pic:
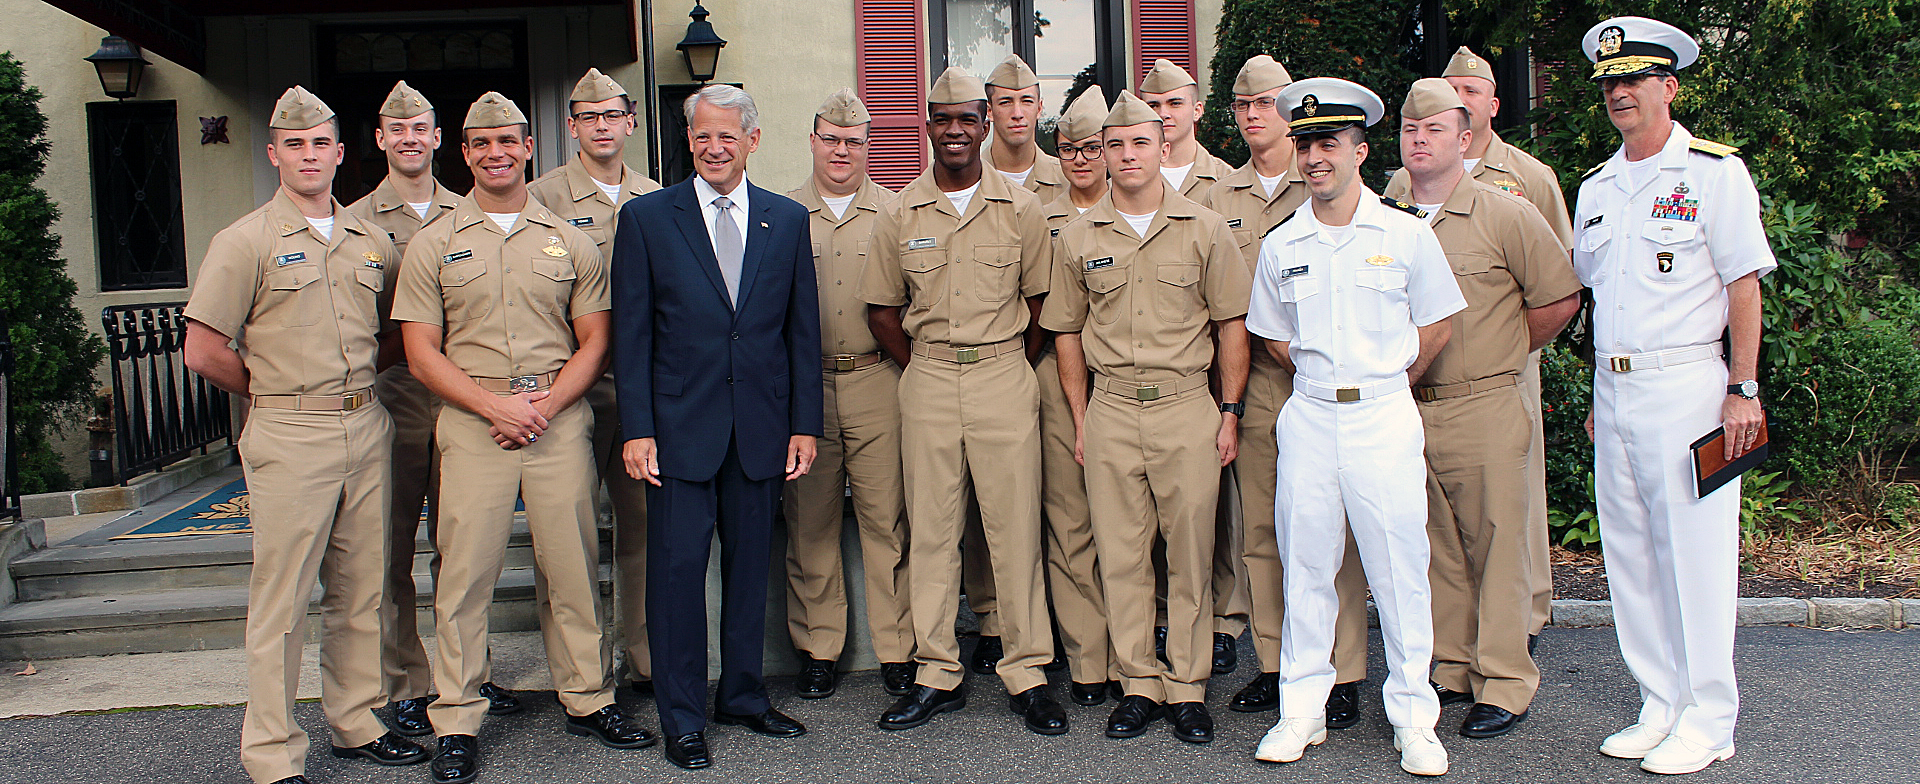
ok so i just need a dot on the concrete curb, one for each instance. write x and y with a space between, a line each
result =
1774 611
143 490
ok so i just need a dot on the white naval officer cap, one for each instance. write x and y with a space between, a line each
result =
1631 45
1324 104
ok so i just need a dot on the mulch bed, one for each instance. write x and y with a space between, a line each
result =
1582 574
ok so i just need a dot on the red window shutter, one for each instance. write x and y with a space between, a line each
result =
890 65
1162 28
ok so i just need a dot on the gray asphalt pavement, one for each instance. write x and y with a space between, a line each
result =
1819 706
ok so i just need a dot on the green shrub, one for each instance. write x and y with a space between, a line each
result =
1846 406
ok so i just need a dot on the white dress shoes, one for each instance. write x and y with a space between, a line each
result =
1677 755
1633 742
1420 751
1289 738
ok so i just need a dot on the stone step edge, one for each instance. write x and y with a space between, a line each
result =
138 492
1837 613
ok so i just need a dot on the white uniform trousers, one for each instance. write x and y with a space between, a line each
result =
1672 558
1360 464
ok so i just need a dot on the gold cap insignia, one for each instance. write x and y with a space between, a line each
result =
1379 261
1611 39
1310 104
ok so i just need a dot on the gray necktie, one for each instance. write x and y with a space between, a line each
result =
727 247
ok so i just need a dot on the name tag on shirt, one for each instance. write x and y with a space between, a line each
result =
1593 221
290 258
1053 232
1234 223
1293 272
453 257
1099 263
923 243
581 222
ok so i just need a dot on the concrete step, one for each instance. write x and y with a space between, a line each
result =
206 617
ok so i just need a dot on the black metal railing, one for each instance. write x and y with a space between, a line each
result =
9 466
161 411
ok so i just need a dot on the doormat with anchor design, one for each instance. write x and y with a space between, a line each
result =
224 511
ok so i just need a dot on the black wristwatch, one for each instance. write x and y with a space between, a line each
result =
1236 409
1748 389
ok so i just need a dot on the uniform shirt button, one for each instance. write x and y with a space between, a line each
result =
509 269
512 335
1139 313
836 253
736 336
509 303
729 380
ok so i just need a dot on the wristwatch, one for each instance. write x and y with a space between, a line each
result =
1748 389
1236 409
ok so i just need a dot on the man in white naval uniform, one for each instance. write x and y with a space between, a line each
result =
1353 294
1669 239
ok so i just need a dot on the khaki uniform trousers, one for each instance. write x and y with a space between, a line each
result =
976 571
974 426
1073 568
555 477
1268 387
1152 470
1539 560
416 479
317 485
1477 524
629 497
862 448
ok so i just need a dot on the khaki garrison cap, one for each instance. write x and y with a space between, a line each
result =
405 102
844 109
1129 110
956 86
1466 63
1428 98
596 87
1259 75
493 110
1085 117
1165 77
299 110
1012 74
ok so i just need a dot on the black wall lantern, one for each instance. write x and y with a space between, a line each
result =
701 46
120 66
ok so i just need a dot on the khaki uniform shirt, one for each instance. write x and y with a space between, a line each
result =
506 300
1206 171
1047 180
571 193
1506 260
1249 211
1511 169
1060 211
1151 299
839 256
385 209
962 279
307 312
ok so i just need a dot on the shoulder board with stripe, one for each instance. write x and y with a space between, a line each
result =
1714 149
1595 170
1404 207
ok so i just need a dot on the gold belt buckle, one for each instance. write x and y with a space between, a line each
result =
1146 393
1425 394
1620 364
844 362
523 384
1346 395
355 400
967 355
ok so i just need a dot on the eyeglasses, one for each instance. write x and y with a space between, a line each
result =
853 144
1263 104
610 115
1069 152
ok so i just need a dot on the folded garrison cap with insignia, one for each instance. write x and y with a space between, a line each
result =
493 110
844 109
1323 104
1012 74
596 87
405 102
1085 117
956 86
1631 45
1428 98
1165 77
1129 110
1259 75
1466 63
299 110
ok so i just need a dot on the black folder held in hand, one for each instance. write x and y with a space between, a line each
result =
1711 469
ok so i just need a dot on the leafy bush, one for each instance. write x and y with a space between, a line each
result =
1845 407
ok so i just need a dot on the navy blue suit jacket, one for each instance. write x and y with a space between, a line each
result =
693 371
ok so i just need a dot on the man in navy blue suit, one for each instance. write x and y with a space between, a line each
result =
716 357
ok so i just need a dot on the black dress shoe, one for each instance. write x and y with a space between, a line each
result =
1448 696
920 705
817 679
1160 644
293 780
1343 705
1489 721
897 677
410 717
1042 713
458 761
986 655
1261 694
388 749
1191 721
1088 693
769 722
612 727
1059 655
1226 653
500 702
689 751
641 688
1131 717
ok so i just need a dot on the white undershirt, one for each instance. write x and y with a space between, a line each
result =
1139 222
1639 172
961 199
1470 163
1338 233
1083 210
1432 210
421 208
503 219
1269 183
1019 178
323 225
1176 175
612 191
839 203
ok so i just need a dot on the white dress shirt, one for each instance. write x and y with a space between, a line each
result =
705 194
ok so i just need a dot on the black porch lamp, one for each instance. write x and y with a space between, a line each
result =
701 46
120 66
